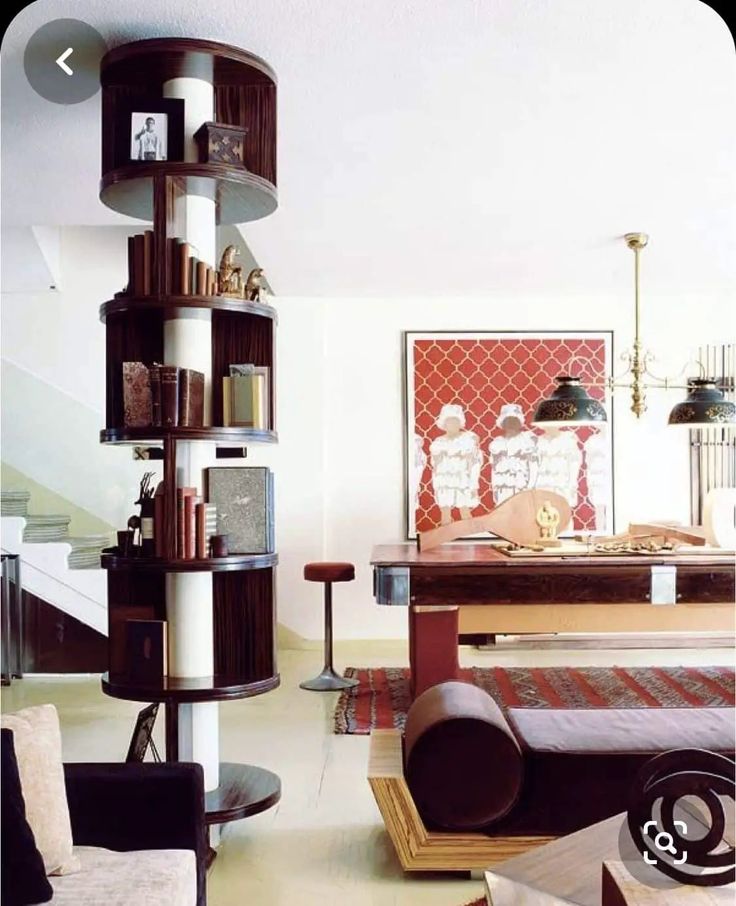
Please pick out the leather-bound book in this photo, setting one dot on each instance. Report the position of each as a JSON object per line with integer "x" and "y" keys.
{"x": 190, "y": 526}
{"x": 147, "y": 262}
{"x": 147, "y": 659}
{"x": 201, "y": 278}
{"x": 200, "y": 518}
{"x": 139, "y": 265}
{"x": 137, "y": 410}
{"x": 131, "y": 265}
{"x": 169, "y": 396}
{"x": 193, "y": 275}
{"x": 181, "y": 525}
{"x": 155, "y": 377}
{"x": 159, "y": 519}
{"x": 172, "y": 266}
{"x": 191, "y": 398}
{"x": 183, "y": 267}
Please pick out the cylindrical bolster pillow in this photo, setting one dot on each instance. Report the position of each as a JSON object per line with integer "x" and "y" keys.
{"x": 463, "y": 764}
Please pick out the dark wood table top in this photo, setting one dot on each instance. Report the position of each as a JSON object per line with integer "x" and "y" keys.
{"x": 486, "y": 556}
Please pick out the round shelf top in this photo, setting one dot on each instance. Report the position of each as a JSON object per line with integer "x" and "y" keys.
{"x": 241, "y": 196}
{"x": 142, "y": 63}
{"x": 123, "y": 303}
{"x": 219, "y": 687}
{"x": 112, "y": 561}
{"x": 218, "y": 435}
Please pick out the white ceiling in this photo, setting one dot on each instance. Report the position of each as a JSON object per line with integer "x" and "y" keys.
{"x": 442, "y": 147}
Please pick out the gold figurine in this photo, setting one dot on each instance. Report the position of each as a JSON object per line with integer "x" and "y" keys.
{"x": 229, "y": 274}
{"x": 548, "y": 520}
{"x": 256, "y": 286}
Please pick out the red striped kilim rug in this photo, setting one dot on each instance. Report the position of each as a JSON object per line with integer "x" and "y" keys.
{"x": 382, "y": 698}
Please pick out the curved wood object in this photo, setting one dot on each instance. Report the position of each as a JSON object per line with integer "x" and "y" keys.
{"x": 513, "y": 520}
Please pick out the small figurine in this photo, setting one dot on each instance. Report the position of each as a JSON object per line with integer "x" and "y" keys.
{"x": 548, "y": 520}
{"x": 256, "y": 285}
{"x": 229, "y": 274}
{"x": 141, "y": 527}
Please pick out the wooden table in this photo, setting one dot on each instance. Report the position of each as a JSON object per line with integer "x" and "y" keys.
{"x": 475, "y": 588}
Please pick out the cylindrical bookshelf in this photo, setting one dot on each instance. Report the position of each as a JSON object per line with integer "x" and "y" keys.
{"x": 220, "y": 612}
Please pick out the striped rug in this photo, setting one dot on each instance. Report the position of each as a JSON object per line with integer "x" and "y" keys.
{"x": 382, "y": 698}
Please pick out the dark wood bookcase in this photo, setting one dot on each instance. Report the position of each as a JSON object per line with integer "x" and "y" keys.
{"x": 243, "y": 586}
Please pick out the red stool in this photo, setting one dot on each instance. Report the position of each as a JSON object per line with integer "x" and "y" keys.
{"x": 328, "y": 680}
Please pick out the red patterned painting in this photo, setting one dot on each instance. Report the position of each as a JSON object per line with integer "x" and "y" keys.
{"x": 470, "y": 440}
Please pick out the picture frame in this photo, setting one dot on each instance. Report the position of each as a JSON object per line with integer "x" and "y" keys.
{"x": 142, "y": 736}
{"x": 492, "y": 378}
{"x": 139, "y": 142}
{"x": 244, "y": 497}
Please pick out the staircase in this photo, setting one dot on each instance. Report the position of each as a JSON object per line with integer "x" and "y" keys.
{"x": 61, "y": 569}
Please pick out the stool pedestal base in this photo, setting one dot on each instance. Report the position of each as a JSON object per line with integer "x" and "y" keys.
{"x": 328, "y": 681}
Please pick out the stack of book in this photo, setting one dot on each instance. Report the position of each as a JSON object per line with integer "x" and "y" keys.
{"x": 196, "y": 523}
{"x": 246, "y": 399}
{"x": 162, "y": 396}
{"x": 140, "y": 264}
{"x": 189, "y": 276}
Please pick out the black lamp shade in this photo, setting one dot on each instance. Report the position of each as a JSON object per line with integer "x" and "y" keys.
{"x": 704, "y": 407}
{"x": 569, "y": 406}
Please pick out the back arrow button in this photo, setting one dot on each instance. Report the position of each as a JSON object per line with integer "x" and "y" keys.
{"x": 62, "y": 65}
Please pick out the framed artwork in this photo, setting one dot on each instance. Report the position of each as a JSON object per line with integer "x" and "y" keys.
{"x": 149, "y": 130}
{"x": 469, "y": 442}
{"x": 143, "y": 735}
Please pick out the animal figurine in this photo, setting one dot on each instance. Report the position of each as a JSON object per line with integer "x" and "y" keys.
{"x": 256, "y": 285}
{"x": 229, "y": 274}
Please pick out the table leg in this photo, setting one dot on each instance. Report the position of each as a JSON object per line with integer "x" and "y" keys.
{"x": 432, "y": 646}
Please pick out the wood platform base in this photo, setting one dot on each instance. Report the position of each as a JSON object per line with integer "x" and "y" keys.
{"x": 419, "y": 849}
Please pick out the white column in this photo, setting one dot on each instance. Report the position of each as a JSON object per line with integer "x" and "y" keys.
{"x": 188, "y": 343}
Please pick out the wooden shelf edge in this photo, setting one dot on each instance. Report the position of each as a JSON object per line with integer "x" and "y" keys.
{"x": 244, "y": 790}
{"x": 111, "y": 560}
{"x": 213, "y": 434}
{"x": 196, "y": 689}
{"x": 124, "y": 304}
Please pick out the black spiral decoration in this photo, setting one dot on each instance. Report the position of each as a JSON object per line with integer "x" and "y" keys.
{"x": 660, "y": 839}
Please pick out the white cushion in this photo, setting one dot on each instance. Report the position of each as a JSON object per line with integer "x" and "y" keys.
{"x": 151, "y": 877}
{"x": 37, "y": 741}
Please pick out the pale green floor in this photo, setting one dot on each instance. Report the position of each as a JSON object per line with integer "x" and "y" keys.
{"x": 324, "y": 843}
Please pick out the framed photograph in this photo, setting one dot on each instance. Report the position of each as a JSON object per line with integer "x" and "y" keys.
{"x": 244, "y": 500}
{"x": 150, "y": 130}
{"x": 142, "y": 736}
{"x": 468, "y": 439}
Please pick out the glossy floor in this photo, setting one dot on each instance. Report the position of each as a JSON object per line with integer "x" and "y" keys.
{"x": 324, "y": 843}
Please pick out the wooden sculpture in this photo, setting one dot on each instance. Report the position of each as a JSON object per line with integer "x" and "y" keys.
{"x": 514, "y": 520}
{"x": 229, "y": 274}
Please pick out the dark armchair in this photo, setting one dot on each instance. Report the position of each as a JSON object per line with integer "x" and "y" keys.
{"x": 127, "y": 807}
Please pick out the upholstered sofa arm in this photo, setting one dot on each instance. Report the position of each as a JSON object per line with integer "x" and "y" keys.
{"x": 139, "y": 806}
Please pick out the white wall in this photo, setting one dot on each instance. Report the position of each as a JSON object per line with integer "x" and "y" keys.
{"x": 338, "y": 465}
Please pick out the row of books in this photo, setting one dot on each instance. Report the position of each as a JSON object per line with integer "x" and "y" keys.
{"x": 162, "y": 396}
{"x": 196, "y": 523}
{"x": 188, "y": 275}
{"x": 246, "y": 399}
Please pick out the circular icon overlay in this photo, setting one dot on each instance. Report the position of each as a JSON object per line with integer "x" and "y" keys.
{"x": 62, "y": 61}
{"x": 690, "y": 848}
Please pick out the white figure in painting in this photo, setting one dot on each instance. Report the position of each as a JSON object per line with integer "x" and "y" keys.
{"x": 513, "y": 455}
{"x": 597, "y": 464}
{"x": 417, "y": 464}
{"x": 456, "y": 459}
{"x": 560, "y": 459}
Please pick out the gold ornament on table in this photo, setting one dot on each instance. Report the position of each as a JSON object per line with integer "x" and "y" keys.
{"x": 229, "y": 274}
{"x": 548, "y": 520}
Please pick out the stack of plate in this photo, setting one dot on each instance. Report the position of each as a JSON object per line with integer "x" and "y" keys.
{"x": 86, "y": 551}
{"x": 14, "y": 503}
{"x": 46, "y": 528}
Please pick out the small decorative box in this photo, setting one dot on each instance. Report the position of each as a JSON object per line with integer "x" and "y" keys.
{"x": 221, "y": 144}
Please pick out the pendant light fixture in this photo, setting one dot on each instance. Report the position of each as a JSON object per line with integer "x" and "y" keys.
{"x": 704, "y": 406}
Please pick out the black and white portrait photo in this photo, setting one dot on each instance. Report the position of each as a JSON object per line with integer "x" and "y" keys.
{"x": 148, "y": 134}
